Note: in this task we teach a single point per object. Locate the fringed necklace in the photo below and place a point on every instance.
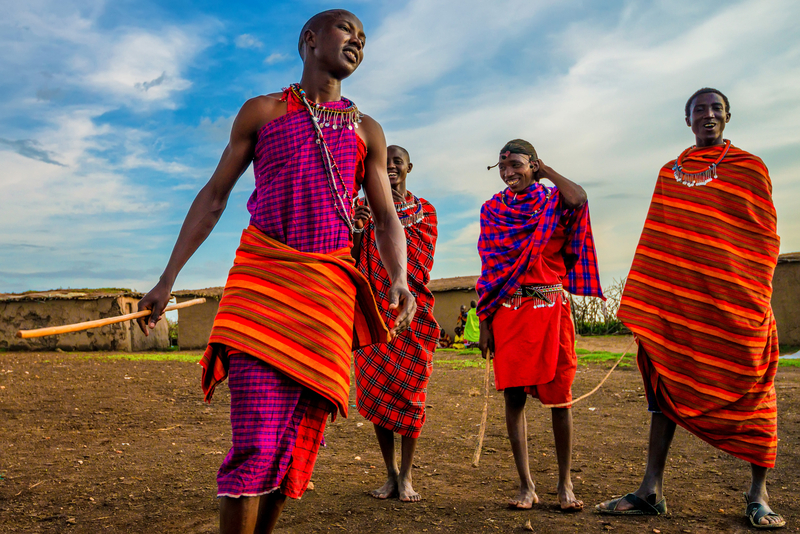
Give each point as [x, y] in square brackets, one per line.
[341, 199]
[697, 178]
[409, 211]
[348, 118]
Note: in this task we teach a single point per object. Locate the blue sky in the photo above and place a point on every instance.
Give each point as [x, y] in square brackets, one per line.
[114, 114]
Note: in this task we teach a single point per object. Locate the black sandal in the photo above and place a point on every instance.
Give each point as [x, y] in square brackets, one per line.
[640, 506]
[756, 511]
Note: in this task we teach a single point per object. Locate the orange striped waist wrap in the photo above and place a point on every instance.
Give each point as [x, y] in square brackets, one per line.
[302, 313]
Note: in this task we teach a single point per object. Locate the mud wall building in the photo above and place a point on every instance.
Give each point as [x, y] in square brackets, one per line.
[30, 310]
[195, 322]
[786, 298]
[450, 294]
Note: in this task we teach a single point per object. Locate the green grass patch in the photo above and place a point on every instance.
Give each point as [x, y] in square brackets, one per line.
[794, 362]
[147, 356]
[588, 356]
[461, 364]
[460, 351]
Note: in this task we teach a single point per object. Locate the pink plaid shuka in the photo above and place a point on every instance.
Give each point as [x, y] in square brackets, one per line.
[292, 202]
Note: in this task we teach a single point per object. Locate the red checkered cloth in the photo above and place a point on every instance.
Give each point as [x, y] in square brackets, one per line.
[515, 228]
[392, 379]
[306, 447]
[292, 202]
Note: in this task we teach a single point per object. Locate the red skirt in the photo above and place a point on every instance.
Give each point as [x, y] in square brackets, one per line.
[535, 349]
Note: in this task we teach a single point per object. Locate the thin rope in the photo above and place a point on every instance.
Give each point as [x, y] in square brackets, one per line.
[568, 404]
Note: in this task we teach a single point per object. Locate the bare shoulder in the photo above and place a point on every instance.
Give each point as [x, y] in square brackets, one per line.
[260, 110]
[370, 132]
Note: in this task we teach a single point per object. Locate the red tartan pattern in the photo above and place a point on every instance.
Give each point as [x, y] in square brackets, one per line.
[306, 448]
[392, 379]
[292, 202]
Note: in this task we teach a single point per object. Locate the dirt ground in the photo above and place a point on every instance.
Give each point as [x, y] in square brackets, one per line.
[90, 444]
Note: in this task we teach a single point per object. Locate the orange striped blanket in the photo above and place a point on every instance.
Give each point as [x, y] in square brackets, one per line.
[698, 300]
[303, 313]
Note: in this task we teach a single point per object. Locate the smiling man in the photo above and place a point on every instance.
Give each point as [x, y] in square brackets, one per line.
[294, 306]
[535, 242]
[392, 379]
[698, 300]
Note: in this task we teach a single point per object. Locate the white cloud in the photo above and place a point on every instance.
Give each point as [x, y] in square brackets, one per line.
[608, 120]
[145, 66]
[275, 57]
[248, 41]
[429, 40]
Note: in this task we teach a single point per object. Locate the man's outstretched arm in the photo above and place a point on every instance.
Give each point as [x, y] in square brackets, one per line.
[210, 202]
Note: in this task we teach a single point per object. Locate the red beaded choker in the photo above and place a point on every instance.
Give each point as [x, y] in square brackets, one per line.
[690, 179]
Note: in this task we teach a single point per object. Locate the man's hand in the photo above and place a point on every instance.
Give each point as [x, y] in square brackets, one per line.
[486, 340]
[156, 300]
[401, 298]
[397, 196]
[572, 195]
[360, 216]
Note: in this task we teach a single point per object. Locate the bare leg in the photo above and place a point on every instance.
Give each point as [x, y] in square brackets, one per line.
[518, 435]
[238, 515]
[662, 430]
[758, 492]
[269, 511]
[562, 431]
[407, 493]
[386, 442]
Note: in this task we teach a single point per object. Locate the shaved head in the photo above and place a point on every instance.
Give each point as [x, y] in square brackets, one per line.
[401, 149]
[316, 23]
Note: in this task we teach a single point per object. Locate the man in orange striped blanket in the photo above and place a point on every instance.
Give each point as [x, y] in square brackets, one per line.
[698, 301]
[294, 306]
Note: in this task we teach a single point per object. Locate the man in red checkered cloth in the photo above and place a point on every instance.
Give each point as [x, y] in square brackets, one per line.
[392, 379]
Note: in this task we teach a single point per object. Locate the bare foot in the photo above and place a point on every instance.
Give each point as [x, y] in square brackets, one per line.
[406, 492]
[624, 504]
[568, 501]
[389, 489]
[525, 499]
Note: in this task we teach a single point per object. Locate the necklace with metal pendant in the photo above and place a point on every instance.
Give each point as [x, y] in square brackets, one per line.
[325, 117]
[702, 177]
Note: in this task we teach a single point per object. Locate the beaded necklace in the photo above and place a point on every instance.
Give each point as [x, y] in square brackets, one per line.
[535, 213]
[349, 117]
[409, 219]
[342, 200]
[706, 175]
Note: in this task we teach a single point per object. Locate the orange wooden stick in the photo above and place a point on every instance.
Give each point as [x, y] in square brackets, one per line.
[77, 327]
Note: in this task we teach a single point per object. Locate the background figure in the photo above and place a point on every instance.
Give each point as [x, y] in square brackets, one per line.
[462, 317]
[698, 300]
[392, 379]
[472, 329]
[444, 340]
[533, 239]
[458, 340]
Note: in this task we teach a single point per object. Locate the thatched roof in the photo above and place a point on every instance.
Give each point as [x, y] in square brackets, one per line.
[209, 292]
[458, 283]
[789, 257]
[70, 294]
